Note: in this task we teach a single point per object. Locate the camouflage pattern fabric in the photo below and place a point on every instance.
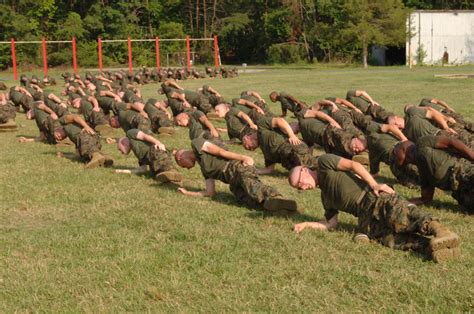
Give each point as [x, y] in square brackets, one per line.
[337, 141]
[345, 121]
[393, 221]
[407, 175]
[464, 136]
[462, 183]
[159, 120]
[245, 184]
[378, 113]
[296, 155]
[159, 161]
[7, 112]
[88, 144]
[141, 123]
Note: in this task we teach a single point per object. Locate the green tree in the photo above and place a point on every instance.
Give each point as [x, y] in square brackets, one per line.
[374, 22]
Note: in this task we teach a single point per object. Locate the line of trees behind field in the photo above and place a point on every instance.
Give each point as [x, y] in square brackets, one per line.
[251, 31]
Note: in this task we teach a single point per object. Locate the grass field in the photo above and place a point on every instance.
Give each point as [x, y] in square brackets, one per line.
[73, 240]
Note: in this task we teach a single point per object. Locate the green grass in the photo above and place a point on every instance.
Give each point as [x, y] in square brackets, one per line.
[74, 240]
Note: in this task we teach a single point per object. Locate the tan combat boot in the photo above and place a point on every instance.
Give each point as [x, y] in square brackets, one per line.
[97, 160]
[169, 176]
[9, 126]
[444, 244]
[166, 130]
[280, 205]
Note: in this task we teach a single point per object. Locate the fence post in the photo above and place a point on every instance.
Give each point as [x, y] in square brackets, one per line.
[188, 53]
[99, 45]
[45, 58]
[15, 73]
[216, 52]
[157, 50]
[130, 66]
[74, 57]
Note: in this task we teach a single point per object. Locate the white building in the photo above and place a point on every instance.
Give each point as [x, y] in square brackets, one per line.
[435, 32]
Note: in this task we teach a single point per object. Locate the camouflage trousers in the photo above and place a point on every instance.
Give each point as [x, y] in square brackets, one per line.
[407, 175]
[462, 183]
[337, 141]
[460, 120]
[87, 144]
[159, 160]
[296, 155]
[344, 119]
[245, 184]
[393, 221]
[97, 118]
[7, 112]
[141, 123]
[159, 120]
[203, 104]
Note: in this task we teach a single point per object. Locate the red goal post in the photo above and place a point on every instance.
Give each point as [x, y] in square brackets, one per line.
[43, 43]
[157, 41]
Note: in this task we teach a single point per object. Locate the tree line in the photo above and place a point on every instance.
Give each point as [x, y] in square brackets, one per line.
[257, 31]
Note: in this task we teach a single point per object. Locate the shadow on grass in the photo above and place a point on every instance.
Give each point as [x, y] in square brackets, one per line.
[449, 206]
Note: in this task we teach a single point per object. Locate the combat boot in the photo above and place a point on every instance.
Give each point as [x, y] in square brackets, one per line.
[443, 238]
[108, 162]
[166, 130]
[212, 116]
[97, 160]
[362, 158]
[104, 130]
[169, 176]
[9, 126]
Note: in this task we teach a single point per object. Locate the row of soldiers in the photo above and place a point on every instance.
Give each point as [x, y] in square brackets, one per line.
[345, 128]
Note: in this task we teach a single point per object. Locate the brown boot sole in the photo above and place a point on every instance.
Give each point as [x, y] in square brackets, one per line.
[169, 176]
[166, 130]
[95, 163]
[8, 129]
[280, 204]
[446, 254]
[108, 162]
[449, 241]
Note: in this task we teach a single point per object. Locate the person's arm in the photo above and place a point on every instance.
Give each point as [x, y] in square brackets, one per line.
[173, 84]
[24, 91]
[213, 91]
[426, 196]
[139, 107]
[110, 94]
[139, 170]
[94, 103]
[150, 139]
[444, 142]
[283, 125]
[321, 116]
[326, 103]
[40, 138]
[251, 105]
[296, 101]
[43, 107]
[364, 94]
[389, 128]
[204, 120]
[247, 119]
[209, 191]
[256, 95]
[347, 104]
[215, 150]
[349, 165]
[439, 119]
[266, 170]
[163, 108]
[442, 103]
[54, 98]
[72, 118]
[323, 225]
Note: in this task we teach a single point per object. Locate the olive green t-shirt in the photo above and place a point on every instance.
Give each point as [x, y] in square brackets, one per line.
[130, 97]
[151, 109]
[125, 115]
[287, 103]
[380, 146]
[434, 164]
[312, 130]
[270, 140]
[72, 129]
[212, 167]
[426, 102]
[235, 125]
[360, 102]
[340, 190]
[192, 97]
[140, 148]
[243, 108]
[196, 127]
[244, 95]
[58, 110]
[417, 125]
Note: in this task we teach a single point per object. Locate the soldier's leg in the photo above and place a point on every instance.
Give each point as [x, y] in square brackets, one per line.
[462, 184]
[141, 123]
[162, 166]
[299, 155]
[88, 147]
[394, 216]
